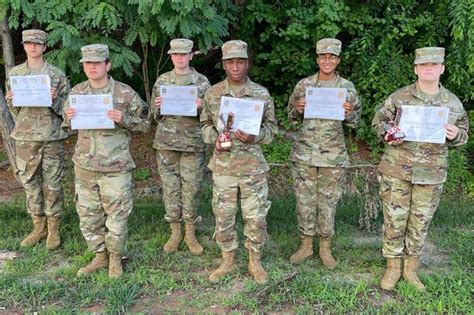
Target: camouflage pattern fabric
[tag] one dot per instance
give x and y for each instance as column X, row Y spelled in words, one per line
column 244, row 159
column 104, row 202
column 319, row 155
column 242, row 169
column 317, row 191
column 416, row 162
column 94, row 53
column 34, row 36
column 178, row 133
column 39, row 145
column 253, row 200
column 102, row 166
column 41, row 169
column 181, row 174
column 40, row 123
column 321, row 141
column 408, row 209
column 107, row 150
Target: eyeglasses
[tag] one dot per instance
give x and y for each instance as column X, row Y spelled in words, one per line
column 330, row 58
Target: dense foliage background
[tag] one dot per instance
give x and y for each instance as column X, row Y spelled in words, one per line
column 379, row 38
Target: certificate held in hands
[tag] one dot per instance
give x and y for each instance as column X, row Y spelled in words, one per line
column 424, row 123
column 325, row 103
column 91, row 111
column 247, row 114
column 178, row 100
column 31, row 91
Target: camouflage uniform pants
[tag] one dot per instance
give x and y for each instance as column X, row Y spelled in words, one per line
column 317, row 191
column 407, row 209
column 104, row 202
column 181, row 174
column 253, row 200
column 41, row 169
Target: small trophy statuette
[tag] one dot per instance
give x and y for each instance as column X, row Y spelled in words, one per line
column 224, row 139
column 393, row 132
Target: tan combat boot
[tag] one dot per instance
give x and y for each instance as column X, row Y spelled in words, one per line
column 175, row 239
column 100, row 261
column 115, row 265
column 190, row 239
column 304, row 251
column 53, row 240
column 409, row 272
column 255, row 267
column 325, row 253
column 392, row 274
column 39, row 232
column 227, row 266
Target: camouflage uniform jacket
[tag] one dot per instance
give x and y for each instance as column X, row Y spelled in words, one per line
column 243, row 158
column 320, row 142
column 107, row 150
column 178, row 133
column 417, row 162
column 40, row 123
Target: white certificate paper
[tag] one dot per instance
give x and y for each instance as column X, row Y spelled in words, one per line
column 248, row 114
column 178, row 100
column 31, row 90
column 423, row 123
column 325, row 103
column 91, row 111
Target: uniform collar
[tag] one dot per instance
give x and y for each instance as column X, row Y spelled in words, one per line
column 316, row 81
column 442, row 97
column 245, row 91
column 194, row 77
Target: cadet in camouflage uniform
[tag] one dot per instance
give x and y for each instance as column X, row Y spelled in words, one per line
column 40, row 144
column 242, row 168
column 103, row 163
column 319, row 155
column 180, row 150
column 413, row 173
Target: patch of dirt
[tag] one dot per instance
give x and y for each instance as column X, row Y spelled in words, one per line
column 384, row 297
column 6, row 255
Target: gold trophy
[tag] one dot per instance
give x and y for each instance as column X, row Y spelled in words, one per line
column 224, row 139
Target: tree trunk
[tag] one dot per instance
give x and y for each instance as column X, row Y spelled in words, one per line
column 7, row 46
column 7, row 124
column 6, row 120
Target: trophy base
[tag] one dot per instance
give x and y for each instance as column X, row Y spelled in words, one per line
column 225, row 144
column 396, row 136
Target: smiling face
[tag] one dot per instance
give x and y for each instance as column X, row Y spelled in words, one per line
column 429, row 71
column 327, row 63
column 236, row 69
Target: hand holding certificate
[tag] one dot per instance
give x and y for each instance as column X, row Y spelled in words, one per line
column 247, row 114
column 178, row 100
column 31, row 91
column 91, row 111
column 423, row 123
column 325, row 103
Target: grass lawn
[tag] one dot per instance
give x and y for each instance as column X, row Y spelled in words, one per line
column 33, row 280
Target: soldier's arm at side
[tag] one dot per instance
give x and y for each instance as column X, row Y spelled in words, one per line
column 353, row 119
column 136, row 117
column 154, row 111
column 202, row 88
column 384, row 113
column 13, row 110
column 295, row 117
column 209, row 131
column 269, row 126
column 463, row 130
column 63, row 89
